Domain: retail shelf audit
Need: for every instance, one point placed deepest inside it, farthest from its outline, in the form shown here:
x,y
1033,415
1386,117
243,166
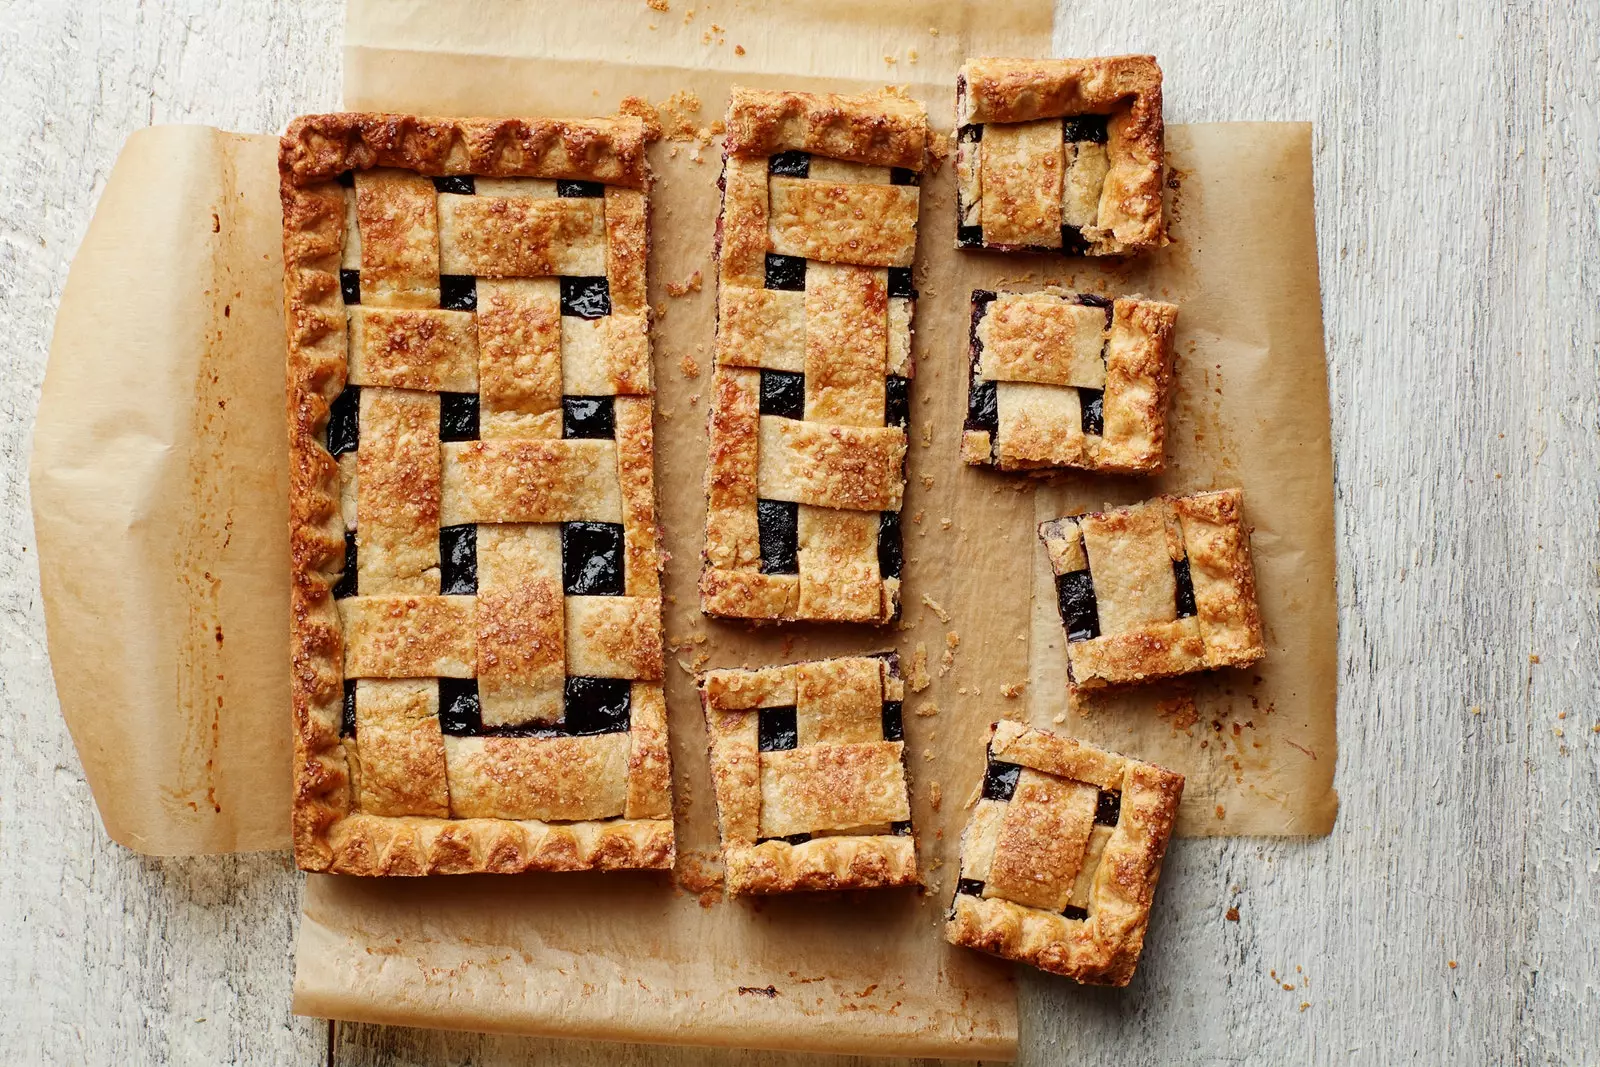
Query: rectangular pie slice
x,y
1065,379
1060,155
809,399
476,602
808,762
1156,589
1060,858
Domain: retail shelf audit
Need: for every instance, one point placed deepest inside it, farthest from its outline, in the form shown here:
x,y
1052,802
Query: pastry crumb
x,y
1476,709
1304,1004
947,662
1222,812
1232,915
919,679
935,795
684,288
689,366
926,709
934,606
1533,658
927,481
945,524
1012,690
658,5
1453,965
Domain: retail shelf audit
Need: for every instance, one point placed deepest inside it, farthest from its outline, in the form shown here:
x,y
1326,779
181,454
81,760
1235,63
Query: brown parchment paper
x,y
158,492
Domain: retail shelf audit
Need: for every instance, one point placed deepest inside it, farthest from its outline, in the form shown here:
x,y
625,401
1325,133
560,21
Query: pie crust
x,y
1063,379
809,398
476,602
1156,589
1060,858
808,762
1060,155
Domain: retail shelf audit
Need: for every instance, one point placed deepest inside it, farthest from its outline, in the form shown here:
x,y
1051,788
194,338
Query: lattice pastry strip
x,y
1061,855
1060,155
808,762
1157,589
810,399
471,417
1062,379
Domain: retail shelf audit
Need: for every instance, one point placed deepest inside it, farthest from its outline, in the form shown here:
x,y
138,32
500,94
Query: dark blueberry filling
x,y
458,292
585,298
1093,403
580,189
346,585
783,393
971,887
587,417
900,283
460,713
458,416
1108,809
458,560
592,558
1072,241
1000,779
1072,911
1075,597
460,184
347,716
970,133
786,272
983,405
969,236
350,285
597,705
344,421
789,165
778,530
347,179
894,727
891,553
1084,128
792,839
776,730
897,401
1180,571
901,828
903,176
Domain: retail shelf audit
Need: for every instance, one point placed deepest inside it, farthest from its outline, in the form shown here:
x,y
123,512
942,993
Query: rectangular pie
x,y
1064,379
1060,155
809,399
1156,589
476,601
808,762
1060,858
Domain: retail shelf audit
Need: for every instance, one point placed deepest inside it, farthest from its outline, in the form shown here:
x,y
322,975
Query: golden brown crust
x,y
1103,946
836,790
317,148
885,128
1039,349
1129,553
996,93
370,804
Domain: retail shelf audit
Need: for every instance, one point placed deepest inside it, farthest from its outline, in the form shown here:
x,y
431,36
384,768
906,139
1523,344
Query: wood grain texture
x,y
1458,186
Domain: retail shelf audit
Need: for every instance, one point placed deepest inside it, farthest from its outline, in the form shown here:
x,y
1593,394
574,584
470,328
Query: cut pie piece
x,y
810,396
1060,859
1156,589
476,597
808,762
1060,155
1063,379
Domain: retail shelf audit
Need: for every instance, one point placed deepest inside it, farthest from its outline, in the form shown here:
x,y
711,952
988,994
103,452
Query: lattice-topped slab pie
x,y
809,400
1062,379
808,761
476,602
1157,589
1060,155
1060,859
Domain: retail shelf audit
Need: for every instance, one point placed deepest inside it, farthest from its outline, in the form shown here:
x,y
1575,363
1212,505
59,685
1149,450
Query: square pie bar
x,y
1156,589
1060,859
808,762
809,407
476,605
1059,155
1065,379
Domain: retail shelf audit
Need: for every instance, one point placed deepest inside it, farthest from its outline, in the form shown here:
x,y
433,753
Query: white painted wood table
x,y
1455,910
